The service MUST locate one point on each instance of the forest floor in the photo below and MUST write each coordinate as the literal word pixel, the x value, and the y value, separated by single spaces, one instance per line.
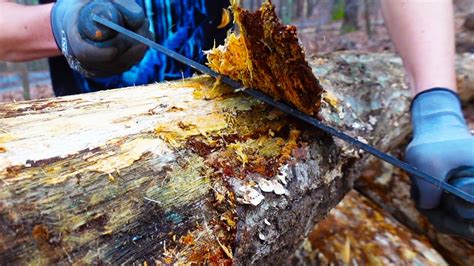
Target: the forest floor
pixel 328 38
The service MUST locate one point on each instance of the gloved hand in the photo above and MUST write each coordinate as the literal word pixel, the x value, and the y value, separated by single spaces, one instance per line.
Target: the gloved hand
pixel 441 145
pixel 94 50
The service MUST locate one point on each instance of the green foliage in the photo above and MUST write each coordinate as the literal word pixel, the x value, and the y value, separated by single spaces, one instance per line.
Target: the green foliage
pixel 338 10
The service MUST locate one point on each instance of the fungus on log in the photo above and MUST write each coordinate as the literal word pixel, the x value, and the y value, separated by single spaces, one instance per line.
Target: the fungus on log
pixel 187 171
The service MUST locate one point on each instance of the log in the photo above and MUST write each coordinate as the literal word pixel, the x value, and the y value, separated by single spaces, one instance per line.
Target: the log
pixel 390 188
pixel 187 171
pixel 358 232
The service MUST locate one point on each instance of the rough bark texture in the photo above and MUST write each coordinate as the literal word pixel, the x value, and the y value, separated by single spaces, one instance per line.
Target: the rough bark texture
pixel 177 172
pixel 380 237
pixel 357 232
pixel 390 189
pixel 267 55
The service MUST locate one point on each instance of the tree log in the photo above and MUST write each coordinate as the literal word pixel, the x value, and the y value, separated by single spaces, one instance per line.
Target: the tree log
pixel 358 232
pixel 390 188
pixel 188 171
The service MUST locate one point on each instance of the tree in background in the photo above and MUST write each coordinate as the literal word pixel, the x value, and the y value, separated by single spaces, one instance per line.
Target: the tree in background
pixel 351 16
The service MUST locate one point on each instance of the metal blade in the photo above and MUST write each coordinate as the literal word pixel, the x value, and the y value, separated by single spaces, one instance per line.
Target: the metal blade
pixel 289 110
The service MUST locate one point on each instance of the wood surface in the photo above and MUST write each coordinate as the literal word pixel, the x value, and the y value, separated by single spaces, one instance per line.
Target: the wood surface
pixel 358 232
pixel 188 170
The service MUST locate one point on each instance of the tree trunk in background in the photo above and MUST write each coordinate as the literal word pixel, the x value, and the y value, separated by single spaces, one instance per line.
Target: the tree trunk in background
pixel 351 16
pixel 187 171
pixel 311 5
pixel 25 81
pixel 368 22
pixel 299 8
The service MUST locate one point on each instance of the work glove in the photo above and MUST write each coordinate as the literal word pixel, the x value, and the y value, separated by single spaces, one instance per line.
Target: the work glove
pixel 92 49
pixel 442 147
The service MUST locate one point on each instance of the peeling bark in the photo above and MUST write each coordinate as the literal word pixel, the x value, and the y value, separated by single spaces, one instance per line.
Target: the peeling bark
pixel 177 172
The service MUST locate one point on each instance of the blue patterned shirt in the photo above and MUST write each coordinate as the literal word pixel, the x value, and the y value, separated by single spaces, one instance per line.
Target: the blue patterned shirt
pixel 185 26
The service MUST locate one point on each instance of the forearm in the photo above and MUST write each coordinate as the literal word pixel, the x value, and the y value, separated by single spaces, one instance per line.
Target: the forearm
pixel 423 33
pixel 25 32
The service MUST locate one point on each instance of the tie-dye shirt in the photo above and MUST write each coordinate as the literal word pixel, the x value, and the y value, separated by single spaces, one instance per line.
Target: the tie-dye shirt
pixel 185 26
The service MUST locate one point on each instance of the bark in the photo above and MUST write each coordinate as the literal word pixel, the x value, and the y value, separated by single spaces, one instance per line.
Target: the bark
pixel 392 191
pixel 390 187
pixel 177 172
pixel 358 232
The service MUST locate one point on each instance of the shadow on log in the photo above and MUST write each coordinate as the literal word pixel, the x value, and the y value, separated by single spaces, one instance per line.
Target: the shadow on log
pixel 187 171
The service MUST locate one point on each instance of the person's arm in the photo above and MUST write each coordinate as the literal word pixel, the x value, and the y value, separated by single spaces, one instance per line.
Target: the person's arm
pixel 25 32
pixel 442 146
pixel 423 33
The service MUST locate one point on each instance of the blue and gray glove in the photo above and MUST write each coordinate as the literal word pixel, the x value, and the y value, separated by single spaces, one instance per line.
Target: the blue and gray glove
pixel 442 147
pixel 94 50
